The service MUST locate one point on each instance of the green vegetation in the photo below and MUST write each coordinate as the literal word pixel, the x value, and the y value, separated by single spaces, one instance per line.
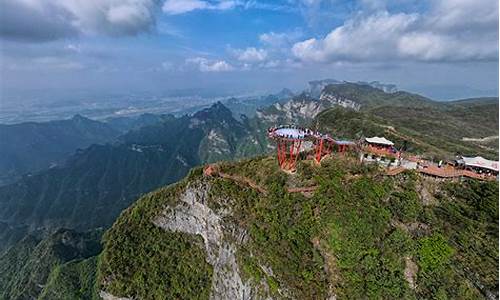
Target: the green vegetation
pixel 26 268
pixel 467 218
pixel 434 253
pixel 354 237
pixel 142 260
pixel 12 263
pixel 360 235
pixel 437 133
pixel 357 231
pixel 31 147
pixel 405 204
pixel 370 97
pixel 73 280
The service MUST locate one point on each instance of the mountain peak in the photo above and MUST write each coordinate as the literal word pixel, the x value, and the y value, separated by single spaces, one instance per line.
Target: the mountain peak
pixel 215 111
pixel 285 93
pixel 79 118
pixel 317 86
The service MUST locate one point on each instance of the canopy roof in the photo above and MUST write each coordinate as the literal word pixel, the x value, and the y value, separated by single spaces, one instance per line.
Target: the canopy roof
pixel 480 162
pixel 379 140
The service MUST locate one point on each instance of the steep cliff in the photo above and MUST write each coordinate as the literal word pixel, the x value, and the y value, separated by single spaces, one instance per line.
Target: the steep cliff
pixel 359 234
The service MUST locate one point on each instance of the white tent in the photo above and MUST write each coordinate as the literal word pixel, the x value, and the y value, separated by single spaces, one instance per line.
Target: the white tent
pixel 379 140
pixel 480 162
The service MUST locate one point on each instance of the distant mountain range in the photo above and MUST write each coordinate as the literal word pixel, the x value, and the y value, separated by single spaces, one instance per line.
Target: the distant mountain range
pixel 124 124
pixel 31 147
pixel 99 181
pixel 316 86
pixel 446 128
pixel 248 106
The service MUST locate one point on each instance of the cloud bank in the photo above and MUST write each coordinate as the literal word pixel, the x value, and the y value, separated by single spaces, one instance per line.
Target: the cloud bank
pixel 177 7
pixel 47 20
pixel 453 30
pixel 208 65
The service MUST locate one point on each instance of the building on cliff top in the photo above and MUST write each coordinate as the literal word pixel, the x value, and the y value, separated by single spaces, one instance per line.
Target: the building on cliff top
pixel 478 164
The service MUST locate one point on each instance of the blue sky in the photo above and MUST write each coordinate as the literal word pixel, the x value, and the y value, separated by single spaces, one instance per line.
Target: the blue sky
pixel 441 48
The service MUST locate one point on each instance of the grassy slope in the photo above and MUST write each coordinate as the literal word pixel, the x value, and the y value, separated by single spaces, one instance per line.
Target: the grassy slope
pixel 370 97
pixel 348 225
pixel 434 132
pixel 433 128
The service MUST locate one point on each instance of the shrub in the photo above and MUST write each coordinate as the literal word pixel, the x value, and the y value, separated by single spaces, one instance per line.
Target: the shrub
pixel 434 253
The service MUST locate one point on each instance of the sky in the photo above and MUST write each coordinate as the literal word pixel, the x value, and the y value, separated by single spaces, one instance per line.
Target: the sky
pixel 443 48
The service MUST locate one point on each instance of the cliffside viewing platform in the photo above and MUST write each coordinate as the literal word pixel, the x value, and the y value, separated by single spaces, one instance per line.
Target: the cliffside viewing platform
pixel 290 145
pixel 289 141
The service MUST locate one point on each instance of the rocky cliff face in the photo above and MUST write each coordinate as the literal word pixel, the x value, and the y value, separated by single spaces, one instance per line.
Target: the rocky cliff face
pixel 197 212
pixel 193 216
pixel 305 107
pixel 359 235
pixel 341 101
pixel 301 109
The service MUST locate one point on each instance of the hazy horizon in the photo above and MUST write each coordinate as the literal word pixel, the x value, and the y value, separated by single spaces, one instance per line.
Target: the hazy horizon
pixel 244 46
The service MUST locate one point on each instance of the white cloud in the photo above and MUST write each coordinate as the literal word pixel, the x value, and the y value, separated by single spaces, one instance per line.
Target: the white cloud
pixel 167 66
pixel 286 6
pixel 280 39
pixel 273 53
pixel 115 17
pixel 217 66
pixel 251 55
pixel 279 64
pixel 56 19
pixel 206 65
pixel 359 39
pixel 454 15
pixel 453 30
pixel 274 39
pixel 176 7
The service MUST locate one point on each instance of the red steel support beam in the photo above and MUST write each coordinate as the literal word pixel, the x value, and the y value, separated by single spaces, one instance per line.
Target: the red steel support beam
pixel 288 151
pixel 294 153
pixel 319 150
